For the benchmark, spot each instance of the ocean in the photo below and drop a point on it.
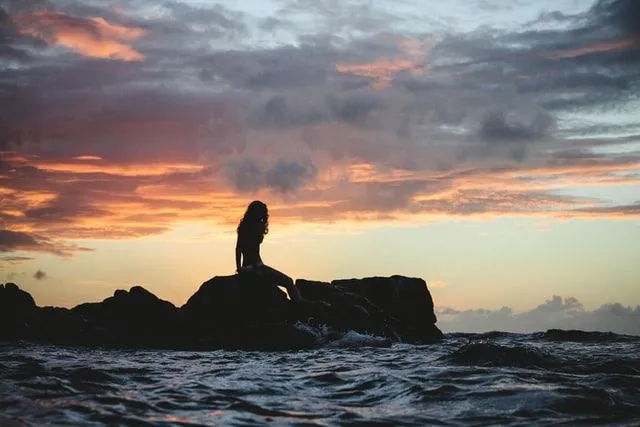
(548, 378)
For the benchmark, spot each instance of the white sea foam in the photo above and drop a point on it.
(327, 337)
(356, 339)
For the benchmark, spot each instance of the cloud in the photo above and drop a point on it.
(13, 239)
(94, 37)
(40, 275)
(603, 47)
(20, 241)
(514, 126)
(284, 176)
(246, 174)
(283, 111)
(356, 114)
(555, 313)
(12, 260)
(382, 71)
(15, 259)
(621, 14)
(631, 210)
(339, 18)
(356, 108)
(437, 284)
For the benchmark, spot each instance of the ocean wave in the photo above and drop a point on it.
(328, 337)
(582, 336)
(491, 354)
(467, 379)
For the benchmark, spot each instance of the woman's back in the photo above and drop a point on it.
(250, 236)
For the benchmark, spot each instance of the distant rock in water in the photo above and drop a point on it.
(231, 312)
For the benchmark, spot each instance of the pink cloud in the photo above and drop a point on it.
(93, 37)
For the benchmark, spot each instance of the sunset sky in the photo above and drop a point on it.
(491, 147)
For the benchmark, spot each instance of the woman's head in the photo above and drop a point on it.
(255, 219)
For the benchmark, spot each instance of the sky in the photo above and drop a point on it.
(490, 147)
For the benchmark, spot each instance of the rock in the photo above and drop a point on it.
(230, 312)
(134, 319)
(14, 300)
(312, 290)
(406, 299)
(229, 300)
(56, 325)
(17, 309)
(345, 311)
(241, 312)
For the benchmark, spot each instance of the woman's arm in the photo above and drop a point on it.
(238, 255)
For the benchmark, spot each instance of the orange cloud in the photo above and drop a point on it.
(87, 157)
(610, 46)
(154, 169)
(382, 71)
(93, 37)
(94, 199)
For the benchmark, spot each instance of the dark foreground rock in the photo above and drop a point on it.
(406, 299)
(230, 312)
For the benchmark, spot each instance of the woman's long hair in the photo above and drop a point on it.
(255, 222)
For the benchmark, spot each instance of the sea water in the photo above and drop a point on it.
(548, 378)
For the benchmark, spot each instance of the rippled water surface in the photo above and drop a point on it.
(497, 378)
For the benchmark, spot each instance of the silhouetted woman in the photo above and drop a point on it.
(251, 230)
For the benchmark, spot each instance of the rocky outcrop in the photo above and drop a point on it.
(17, 309)
(344, 311)
(136, 318)
(406, 299)
(232, 312)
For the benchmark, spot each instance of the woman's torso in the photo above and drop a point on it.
(250, 246)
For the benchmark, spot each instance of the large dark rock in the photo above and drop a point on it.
(406, 299)
(231, 312)
(134, 319)
(344, 310)
(225, 300)
(17, 309)
(14, 300)
(241, 312)
(56, 325)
